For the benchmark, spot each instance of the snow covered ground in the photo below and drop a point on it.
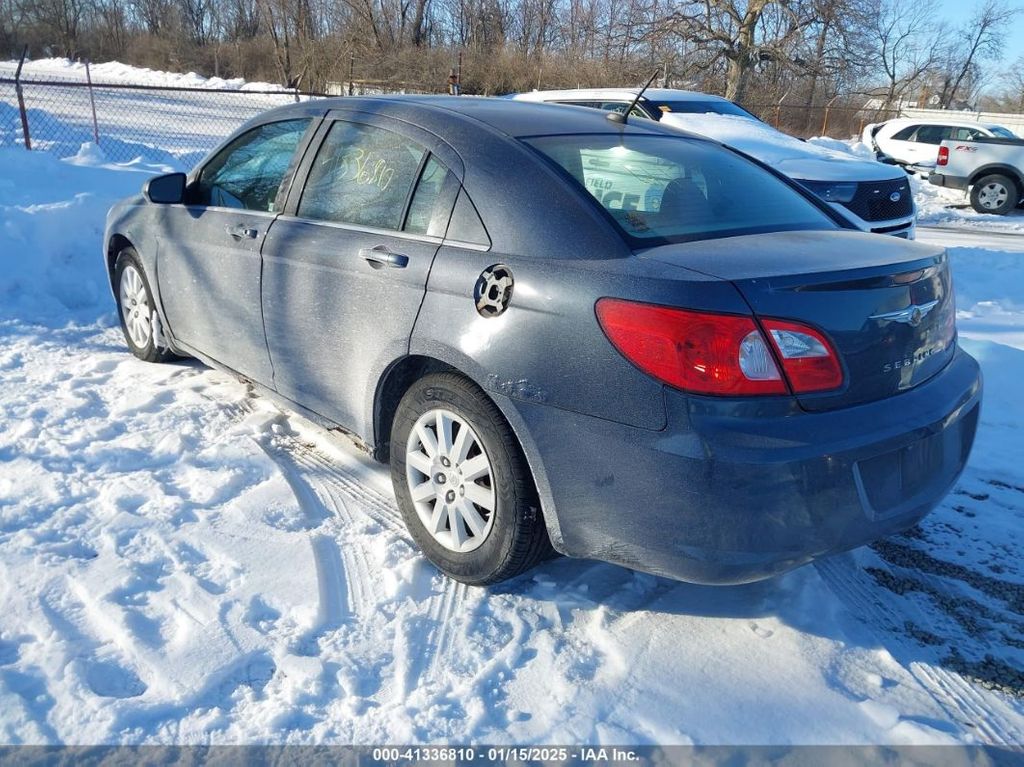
(180, 561)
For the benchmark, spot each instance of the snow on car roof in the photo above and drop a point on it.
(953, 119)
(791, 156)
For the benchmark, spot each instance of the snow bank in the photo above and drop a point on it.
(856, 148)
(116, 72)
(52, 215)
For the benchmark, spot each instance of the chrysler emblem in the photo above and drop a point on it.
(912, 315)
(895, 196)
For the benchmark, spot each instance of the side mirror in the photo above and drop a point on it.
(165, 190)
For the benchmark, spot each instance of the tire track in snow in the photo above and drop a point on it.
(439, 626)
(378, 507)
(343, 575)
(426, 646)
(445, 610)
(985, 713)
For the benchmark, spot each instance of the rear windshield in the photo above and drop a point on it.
(661, 189)
(701, 107)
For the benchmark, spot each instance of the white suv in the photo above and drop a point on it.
(874, 196)
(911, 141)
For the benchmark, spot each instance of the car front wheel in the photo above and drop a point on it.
(136, 308)
(462, 483)
(994, 194)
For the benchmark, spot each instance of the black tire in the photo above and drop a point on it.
(149, 352)
(518, 538)
(1010, 194)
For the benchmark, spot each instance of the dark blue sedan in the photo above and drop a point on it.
(563, 332)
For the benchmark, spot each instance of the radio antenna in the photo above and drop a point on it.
(621, 117)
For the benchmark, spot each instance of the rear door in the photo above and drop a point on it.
(345, 268)
(208, 264)
(925, 144)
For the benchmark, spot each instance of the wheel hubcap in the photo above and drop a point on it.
(993, 195)
(451, 480)
(135, 307)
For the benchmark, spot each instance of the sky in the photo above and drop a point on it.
(957, 12)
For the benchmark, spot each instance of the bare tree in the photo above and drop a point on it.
(908, 42)
(982, 38)
(60, 21)
(731, 28)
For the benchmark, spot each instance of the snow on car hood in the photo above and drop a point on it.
(794, 158)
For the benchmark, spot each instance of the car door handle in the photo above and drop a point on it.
(239, 231)
(381, 256)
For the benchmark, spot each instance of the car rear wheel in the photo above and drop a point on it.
(462, 483)
(135, 307)
(994, 194)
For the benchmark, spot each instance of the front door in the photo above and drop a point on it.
(208, 263)
(346, 265)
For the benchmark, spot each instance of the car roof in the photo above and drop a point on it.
(651, 94)
(514, 118)
(958, 122)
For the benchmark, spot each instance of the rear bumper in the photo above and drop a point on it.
(950, 182)
(737, 491)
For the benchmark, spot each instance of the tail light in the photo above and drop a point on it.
(720, 354)
(808, 359)
(943, 156)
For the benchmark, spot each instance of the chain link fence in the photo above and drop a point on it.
(835, 121)
(178, 125)
(158, 124)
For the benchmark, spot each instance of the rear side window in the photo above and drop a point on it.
(425, 198)
(932, 134)
(667, 189)
(609, 106)
(361, 175)
(248, 172)
(465, 225)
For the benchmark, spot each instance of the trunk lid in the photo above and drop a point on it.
(886, 305)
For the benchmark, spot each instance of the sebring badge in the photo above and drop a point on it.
(912, 315)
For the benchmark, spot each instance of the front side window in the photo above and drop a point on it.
(361, 175)
(966, 134)
(1002, 132)
(667, 189)
(248, 172)
(907, 134)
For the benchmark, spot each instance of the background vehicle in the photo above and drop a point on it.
(461, 285)
(910, 141)
(991, 168)
(874, 196)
